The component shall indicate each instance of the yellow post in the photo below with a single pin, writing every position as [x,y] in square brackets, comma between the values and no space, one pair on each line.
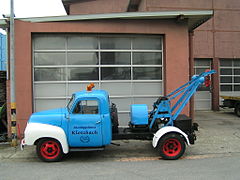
[13,125]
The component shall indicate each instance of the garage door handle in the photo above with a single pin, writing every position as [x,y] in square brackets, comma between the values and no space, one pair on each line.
[98,122]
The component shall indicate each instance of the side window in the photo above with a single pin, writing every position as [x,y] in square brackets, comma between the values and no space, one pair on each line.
[86,107]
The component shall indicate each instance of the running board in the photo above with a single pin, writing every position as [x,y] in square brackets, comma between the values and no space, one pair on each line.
[86,149]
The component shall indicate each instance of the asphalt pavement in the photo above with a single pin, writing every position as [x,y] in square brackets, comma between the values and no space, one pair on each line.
[218,136]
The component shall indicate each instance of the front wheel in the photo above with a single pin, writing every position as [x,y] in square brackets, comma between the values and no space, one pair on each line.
[49,150]
[171,146]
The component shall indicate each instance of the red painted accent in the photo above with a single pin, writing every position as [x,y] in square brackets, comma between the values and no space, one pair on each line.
[50,149]
[172,147]
[207,82]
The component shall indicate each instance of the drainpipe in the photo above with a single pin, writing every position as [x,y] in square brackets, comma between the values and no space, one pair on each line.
[12,78]
[191,69]
[215,77]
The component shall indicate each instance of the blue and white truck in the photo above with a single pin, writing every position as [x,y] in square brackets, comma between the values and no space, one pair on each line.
[90,122]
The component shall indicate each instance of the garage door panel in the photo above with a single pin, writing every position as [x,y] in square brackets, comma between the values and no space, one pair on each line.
[123,119]
[203,95]
[49,42]
[116,73]
[147,88]
[123,104]
[83,73]
[115,58]
[115,43]
[148,101]
[147,43]
[76,42]
[45,59]
[147,58]
[46,104]
[82,58]
[50,74]
[50,90]
[75,87]
[117,89]
[202,104]
[147,73]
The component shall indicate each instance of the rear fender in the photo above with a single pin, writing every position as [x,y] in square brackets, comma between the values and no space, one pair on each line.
[165,130]
[36,131]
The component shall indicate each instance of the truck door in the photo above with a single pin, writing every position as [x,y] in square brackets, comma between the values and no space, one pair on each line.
[85,124]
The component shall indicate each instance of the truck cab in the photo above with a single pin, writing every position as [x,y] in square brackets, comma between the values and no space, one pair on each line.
[88,119]
[85,122]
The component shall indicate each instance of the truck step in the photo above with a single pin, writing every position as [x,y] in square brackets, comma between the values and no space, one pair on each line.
[86,149]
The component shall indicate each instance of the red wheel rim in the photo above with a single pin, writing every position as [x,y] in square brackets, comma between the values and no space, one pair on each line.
[172,147]
[50,149]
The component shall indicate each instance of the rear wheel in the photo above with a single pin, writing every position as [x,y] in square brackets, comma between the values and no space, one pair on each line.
[237,110]
[49,150]
[171,146]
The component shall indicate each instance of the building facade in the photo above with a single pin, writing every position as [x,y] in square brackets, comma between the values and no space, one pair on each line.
[137,50]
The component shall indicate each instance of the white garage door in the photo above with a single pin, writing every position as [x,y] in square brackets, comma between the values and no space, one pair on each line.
[203,97]
[229,77]
[128,67]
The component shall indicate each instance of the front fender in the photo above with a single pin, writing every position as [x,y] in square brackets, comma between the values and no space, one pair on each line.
[35,131]
[168,129]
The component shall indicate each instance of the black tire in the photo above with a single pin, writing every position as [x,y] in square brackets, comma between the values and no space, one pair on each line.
[114,118]
[171,146]
[49,150]
[237,110]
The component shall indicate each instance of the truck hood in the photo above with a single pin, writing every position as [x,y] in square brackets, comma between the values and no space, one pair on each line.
[52,117]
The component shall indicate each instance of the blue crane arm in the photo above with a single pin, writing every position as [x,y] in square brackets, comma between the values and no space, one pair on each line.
[185,92]
[162,107]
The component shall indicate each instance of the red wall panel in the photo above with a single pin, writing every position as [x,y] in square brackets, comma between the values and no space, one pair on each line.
[203,44]
[227,44]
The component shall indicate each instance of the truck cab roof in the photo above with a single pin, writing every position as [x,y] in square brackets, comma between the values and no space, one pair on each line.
[100,94]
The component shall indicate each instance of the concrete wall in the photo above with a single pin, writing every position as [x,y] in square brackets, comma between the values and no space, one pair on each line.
[175,43]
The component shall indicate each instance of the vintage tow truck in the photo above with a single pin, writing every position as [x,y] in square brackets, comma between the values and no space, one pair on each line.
[90,122]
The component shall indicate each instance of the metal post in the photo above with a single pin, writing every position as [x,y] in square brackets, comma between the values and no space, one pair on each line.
[12,78]
[191,70]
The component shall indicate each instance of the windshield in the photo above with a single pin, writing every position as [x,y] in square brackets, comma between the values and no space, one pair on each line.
[70,103]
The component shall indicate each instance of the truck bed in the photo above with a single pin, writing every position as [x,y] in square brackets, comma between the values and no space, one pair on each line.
[231,97]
